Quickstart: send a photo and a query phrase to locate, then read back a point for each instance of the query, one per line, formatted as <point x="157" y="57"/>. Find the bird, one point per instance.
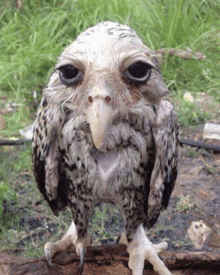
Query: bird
<point x="106" y="131"/>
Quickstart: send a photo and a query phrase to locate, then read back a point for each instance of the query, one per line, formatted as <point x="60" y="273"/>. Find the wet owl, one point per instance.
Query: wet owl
<point x="105" y="132"/>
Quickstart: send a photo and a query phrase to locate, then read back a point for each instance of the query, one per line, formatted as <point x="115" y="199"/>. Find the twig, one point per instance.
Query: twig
<point x="52" y="217"/>
<point x="199" y="144"/>
<point x="14" y="142"/>
<point x="183" y="141"/>
<point x="109" y="260"/>
<point x="188" y="54"/>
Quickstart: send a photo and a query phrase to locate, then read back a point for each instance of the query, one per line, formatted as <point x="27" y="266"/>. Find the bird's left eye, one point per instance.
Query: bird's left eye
<point x="69" y="74"/>
<point x="138" y="72"/>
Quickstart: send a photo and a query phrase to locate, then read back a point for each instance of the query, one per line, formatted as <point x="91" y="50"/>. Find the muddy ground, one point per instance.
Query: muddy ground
<point x="196" y="198"/>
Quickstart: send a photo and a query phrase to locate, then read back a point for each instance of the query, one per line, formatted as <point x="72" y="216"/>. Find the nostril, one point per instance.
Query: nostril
<point x="90" y="99"/>
<point x="107" y="99"/>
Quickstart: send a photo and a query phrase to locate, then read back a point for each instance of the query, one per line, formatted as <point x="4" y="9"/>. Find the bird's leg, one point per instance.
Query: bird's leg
<point x="67" y="240"/>
<point x="141" y="249"/>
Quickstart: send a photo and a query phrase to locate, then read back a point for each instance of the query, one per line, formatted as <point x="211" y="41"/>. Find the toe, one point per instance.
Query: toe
<point x="160" y="246"/>
<point x="48" y="251"/>
<point x="81" y="252"/>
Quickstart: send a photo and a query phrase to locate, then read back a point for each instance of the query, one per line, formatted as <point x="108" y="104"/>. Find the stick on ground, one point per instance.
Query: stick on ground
<point x="109" y="260"/>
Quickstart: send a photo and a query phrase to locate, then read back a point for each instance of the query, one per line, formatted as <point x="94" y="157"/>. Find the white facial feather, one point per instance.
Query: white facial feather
<point x="104" y="46"/>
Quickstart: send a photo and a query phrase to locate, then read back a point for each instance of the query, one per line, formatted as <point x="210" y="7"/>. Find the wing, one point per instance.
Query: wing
<point x="47" y="157"/>
<point x="164" y="173"/>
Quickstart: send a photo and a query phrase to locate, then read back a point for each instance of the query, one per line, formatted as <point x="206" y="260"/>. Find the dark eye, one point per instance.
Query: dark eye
<point x="138" y="72"/>
<point x="69" y="74"/>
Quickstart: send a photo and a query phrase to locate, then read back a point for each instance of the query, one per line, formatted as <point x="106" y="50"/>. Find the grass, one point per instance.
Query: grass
<point x="32" y="38"/>
<point x="184" y="204"/>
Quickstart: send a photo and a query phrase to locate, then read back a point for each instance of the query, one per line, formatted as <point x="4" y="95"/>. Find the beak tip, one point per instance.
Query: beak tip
<point x="98" y="144"/>
<point x="98" y="116"/>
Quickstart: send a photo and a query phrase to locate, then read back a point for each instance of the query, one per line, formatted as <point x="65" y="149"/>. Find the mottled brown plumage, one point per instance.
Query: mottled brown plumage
<point x="103" y="133"/>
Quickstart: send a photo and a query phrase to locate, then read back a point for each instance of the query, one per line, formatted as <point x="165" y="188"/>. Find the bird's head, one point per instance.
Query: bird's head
<point x="104" y="73"/>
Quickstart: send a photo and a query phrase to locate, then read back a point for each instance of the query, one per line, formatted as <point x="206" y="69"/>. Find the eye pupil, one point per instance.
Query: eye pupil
<point x="138" y="72"/>
<point x="69" y="72"/>
<point x="70" y="75"/>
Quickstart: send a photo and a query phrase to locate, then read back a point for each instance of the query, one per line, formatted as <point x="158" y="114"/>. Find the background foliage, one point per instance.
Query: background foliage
<point x="33" y="36"/>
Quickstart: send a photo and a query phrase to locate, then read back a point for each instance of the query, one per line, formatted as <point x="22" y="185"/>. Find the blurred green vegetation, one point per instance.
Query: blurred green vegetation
<point x="33" y="36"/>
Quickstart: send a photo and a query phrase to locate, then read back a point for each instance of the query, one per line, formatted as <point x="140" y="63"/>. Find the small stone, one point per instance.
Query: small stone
<point x="211" y="131"/>
<point x="198" y="233"/>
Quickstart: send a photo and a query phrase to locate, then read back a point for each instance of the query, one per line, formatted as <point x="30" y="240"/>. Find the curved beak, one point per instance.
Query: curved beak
<point x="98" y="115"/>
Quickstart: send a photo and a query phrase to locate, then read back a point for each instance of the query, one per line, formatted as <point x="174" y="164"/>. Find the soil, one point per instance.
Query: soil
<point x="195" y="199"/>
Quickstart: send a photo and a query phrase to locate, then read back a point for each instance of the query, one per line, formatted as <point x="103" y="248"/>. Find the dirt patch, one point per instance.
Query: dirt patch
<point x="195" y="198"/>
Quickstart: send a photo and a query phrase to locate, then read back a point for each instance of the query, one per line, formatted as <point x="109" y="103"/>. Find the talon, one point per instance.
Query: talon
<point x="122" y="239"/>
<point x="81" y="251"/>
<point x="47" y="252"/>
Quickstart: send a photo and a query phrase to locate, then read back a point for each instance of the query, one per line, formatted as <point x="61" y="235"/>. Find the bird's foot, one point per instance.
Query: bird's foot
<point x="141" y="249"/>
<point x="69" y="239"/>
<point x="50" y="249"/>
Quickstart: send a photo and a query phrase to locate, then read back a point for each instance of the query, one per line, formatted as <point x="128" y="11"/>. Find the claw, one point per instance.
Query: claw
<point x="122" y="239"/>
<point x="48" y="253"/>
<point x="81" y="247"/>
<point x="81" y="252"/>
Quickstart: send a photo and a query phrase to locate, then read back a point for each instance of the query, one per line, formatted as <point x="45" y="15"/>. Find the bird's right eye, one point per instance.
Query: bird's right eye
<point x="69" y="74"/>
